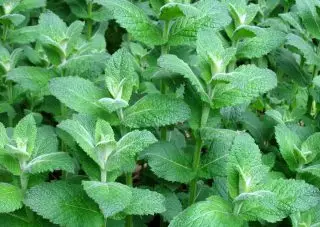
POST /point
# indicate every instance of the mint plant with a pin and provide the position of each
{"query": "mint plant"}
(171, 113)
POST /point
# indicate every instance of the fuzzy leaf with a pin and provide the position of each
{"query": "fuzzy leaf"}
(11, 198)
(169, 162)
(214, 212)
(155, 111)
(145, 202)
(134, 20)
(46, 141)
(174, 64)
(64, 204)
(305, 48)
(50, 162)
(34, 79)
(245, 167)
(307, 10)
(78, 94)
(52, 26)
(25, 134)
(112, 197)
(244, 84)
(127, 149)
(289, 143)
(173, 10)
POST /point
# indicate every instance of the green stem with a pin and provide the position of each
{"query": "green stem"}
(195, 166)
(129, 182)
(197, 154)
(5, 32)
(103, 175)
(89, 20)
(163, 86)
(10, 101)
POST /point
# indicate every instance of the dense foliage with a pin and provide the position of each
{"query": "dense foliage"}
(159, 113)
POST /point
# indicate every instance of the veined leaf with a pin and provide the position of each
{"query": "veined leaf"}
(169, 162)
(64, 204)
(128, 147)
(46, 141)
(34, 79)
(52, 26)
(11, 198)
(173, 10)
(214, 212)
(78, 94)
(244, 84)
(174, 64)
(289, 144)
(112, 197)
(245, 167)
(308, 12)
(134, 20)
(50, 162)
(145, 202)
(155, 111)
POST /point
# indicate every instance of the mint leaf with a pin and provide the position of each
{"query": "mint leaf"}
(63, 204)
(213, 212)
(307, 11)
(112, 197)
(11, 198)
(134, 20)
(155, 111)
(169, 162)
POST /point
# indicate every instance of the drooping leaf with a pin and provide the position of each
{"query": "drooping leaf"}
(307, 10)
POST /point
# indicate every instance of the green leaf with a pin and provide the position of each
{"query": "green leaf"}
(128, 147)
(15, 19)
(173, 64)
(134, 19)
(245, 167)
(244, 84)
(173, 10)
(112, 197)
(34, 79)
(156, 110)
(305, 48)
(172, 204)
(184, 30)
(4, 139)
(307, 10)
(46, 141)
(25, 134)
(81, 128)
(50, 162)
(78, 94)
(214, 212)
(289, 144)
(169, 162)
(119, 75)
(311, 217)
(214, 161)
(30, 4)
(63, 204)
(145, 202)
(266, 40)
(52, 26)
(311, 147)
(23, 35)
(11, 198)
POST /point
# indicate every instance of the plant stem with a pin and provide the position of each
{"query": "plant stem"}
(197, 154)
(10, 101)
(163, 87)
(103, 175)
(5, 32)
(89, 20)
